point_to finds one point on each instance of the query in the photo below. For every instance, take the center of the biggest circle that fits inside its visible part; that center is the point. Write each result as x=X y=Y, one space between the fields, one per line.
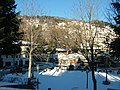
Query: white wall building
x=9 y=60
x=15 y=59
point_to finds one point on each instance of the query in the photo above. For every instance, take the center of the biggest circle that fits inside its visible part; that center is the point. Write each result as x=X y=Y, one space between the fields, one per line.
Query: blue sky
x=61 y=8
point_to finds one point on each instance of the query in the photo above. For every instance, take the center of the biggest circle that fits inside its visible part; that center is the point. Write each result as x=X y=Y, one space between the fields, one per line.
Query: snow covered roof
x=60 y=49
x=25 y=43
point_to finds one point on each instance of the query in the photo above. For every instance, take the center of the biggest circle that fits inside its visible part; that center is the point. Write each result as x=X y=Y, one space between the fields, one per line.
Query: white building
x=15 y=59
x=18 y=59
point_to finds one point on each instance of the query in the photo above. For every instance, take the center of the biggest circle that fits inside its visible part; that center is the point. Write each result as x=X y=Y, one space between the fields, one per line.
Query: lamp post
x=87 y=71
x=106 y=82
x=87 y=78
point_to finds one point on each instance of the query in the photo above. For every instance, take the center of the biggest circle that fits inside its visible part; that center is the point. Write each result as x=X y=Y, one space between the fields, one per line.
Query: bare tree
x=66 y=38
x=32 y=30
x=34 y=38
x=62 y=36
x=87 y=12
x=54 y=34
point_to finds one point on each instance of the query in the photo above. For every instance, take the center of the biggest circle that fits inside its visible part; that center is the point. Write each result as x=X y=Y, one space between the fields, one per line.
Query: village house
x=65 y=59
x=15 y=59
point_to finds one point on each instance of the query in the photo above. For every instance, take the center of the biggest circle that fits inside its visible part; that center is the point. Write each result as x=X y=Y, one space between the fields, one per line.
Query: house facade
x=19 y=59
x=65 y=59
x=10 y=60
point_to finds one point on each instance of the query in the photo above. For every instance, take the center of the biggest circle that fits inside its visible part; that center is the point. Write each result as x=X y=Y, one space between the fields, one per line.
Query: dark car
x=15 y=69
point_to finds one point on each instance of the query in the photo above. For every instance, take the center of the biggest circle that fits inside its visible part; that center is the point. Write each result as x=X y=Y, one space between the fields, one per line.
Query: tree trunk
x=67 y=52
x=29 y=68
x=93 y=69
x=94 y=80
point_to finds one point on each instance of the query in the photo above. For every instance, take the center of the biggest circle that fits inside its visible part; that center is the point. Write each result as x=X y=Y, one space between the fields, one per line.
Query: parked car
x=13 y=69
x=16 y=70
x=8 y=68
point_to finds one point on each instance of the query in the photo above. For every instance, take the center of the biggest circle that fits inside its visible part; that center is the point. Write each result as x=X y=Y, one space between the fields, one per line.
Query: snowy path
x=66 y=80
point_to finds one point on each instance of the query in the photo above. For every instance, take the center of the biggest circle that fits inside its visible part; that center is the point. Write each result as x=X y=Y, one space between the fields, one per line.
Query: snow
x=66 y=80
x=69 y=80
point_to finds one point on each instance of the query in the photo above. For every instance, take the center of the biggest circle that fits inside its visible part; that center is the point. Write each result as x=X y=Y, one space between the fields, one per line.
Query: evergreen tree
x=115 y=45
x=9 y=26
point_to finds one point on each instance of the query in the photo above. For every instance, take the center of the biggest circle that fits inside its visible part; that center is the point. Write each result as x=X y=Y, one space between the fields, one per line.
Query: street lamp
x=87 y=71
x=87 y=78
x=106 y=82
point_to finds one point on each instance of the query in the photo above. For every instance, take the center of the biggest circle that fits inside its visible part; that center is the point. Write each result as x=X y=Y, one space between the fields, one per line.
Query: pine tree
x=115 y=45
x=9 y=26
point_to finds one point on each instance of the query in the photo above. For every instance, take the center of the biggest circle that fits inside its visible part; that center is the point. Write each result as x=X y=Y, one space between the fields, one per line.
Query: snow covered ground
x=66 y=80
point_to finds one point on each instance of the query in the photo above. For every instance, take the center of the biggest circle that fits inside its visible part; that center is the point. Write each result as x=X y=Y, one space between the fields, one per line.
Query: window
x=7 y=63
x=16 y=63
x=19 y=56
x=26 y=62
x=6 y=56
x=16 y=56
x=12 y=56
